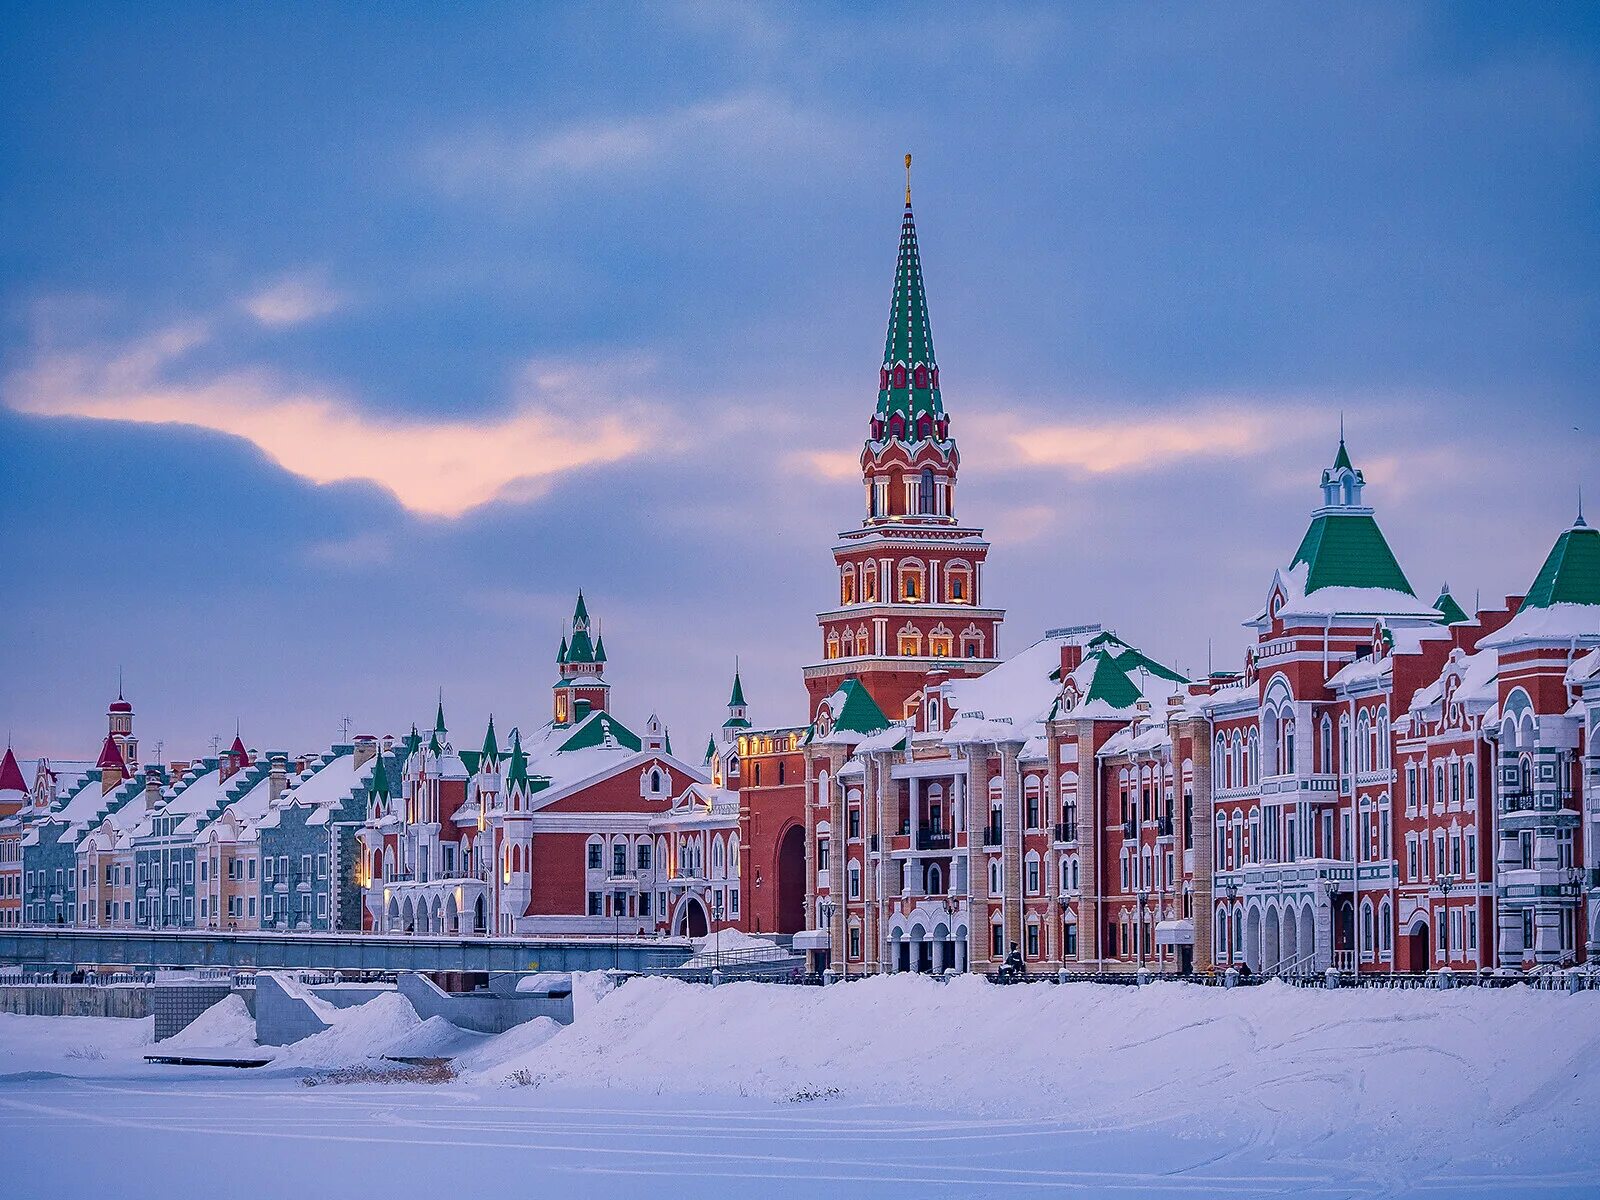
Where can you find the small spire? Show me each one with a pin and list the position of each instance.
(908, 181)
(438, 720)
(1580, 523)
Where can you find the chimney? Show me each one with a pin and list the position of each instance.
(278, 778)
(152, 787)
(366, 749)
(1071, 658)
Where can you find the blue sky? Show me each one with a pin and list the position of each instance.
(340, 346)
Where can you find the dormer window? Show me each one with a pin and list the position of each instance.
(921, 377)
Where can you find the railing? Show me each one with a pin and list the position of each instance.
(1066, 831)
(932, 837)
(1344, 961)
(991, 836)
(1517, 801)
(1163, 826)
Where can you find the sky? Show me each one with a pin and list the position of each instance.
(341, 345)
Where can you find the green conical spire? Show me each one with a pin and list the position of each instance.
(580, 614)
(434, 746)
(737, 699)
(413, 740)
(711, 749)
(379, 787)
(909, 381)
(438, 721)
(561, 654)
(1342, 459)
(600, 648)
(491, 748)
(517, 772)
(581, 648)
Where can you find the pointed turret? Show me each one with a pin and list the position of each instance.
(738, 711)
(413, 741)
(1344, 546)
(517, 769)
(1450, 613)
(580, 664)
(1571, 571)
(491, 748)
(438, 721)
(711, 750)
(600, 648)
(10, 774)
(378, 787)
(909, 403)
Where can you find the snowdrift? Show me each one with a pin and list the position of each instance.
(1418, 1071)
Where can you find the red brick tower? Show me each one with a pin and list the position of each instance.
(910, 578)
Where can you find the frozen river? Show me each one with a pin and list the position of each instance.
(180, 1133)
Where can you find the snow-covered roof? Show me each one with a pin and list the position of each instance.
(1342, 601)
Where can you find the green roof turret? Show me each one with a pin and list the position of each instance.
(517, 772)
(491, 748)
(908, 381)
(378, 788)
(1571, 572)
(1450, 613)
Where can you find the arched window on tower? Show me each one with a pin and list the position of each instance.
(927, 499)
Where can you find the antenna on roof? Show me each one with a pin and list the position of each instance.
(1210, 668)
(344, 729)
(1580, 521)
(908, 181)
(160, 746)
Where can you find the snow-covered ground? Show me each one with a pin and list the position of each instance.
(893, 1086)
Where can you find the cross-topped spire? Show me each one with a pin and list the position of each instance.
(908, 382)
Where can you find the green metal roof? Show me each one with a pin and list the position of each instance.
(597, 729)
(909, 342)
(860, 712)
(1450, 612)
(1110, 684)
(517, 772)
(737, 699)
(1571, 573)
(491, 748)
(1347, 549)
(379, 786)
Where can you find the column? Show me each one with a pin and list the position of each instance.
(1011, 842)
(938, 956)
(977, 785)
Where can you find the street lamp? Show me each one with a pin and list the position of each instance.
(716, 934)
(826, 907)
(1144, 898)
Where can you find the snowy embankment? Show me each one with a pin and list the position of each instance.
(1509, 1071)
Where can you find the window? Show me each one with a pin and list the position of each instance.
(994, 877)
(594, 856)
(854, 820)
(644, 864)
(997, 941)
(322, 866)
(822, 854)
(854, 878)
(619, 859)
(594, 904)
(1033, 877)
(644, 904)
(1069, 939)
(855, 941)
(1033, 941)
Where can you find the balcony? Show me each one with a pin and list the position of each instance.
(991, 836)
(933, 837)
(1130, 829)
(1066, 831)
(1164, 827)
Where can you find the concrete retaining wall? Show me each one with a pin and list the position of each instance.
(283, 1016)
(130, 1000)
(177, 1004)
(485, 1012)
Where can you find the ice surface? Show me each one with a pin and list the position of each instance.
(894, 1086)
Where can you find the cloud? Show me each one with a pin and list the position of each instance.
(293, 300)
(739, 124)
(564, 418)
(1144, 443)
(827, 464)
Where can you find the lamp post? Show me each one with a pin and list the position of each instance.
(826, 908)
(716, 934)
(1144, 899)
(1444, 885)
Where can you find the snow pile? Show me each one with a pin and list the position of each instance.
(732, 945)
(588, 989)
(224, 1025)
(506, 1053)
(355, 1034)
(1414, 1073)
(434, 1038)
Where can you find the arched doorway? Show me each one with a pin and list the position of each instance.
(478, 923)
(1252, 939)
(692, 919)
(1416, 945)
(1308, 940)
(1269, 946)
(792, 880)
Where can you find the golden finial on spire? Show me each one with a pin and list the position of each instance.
(908, 181)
